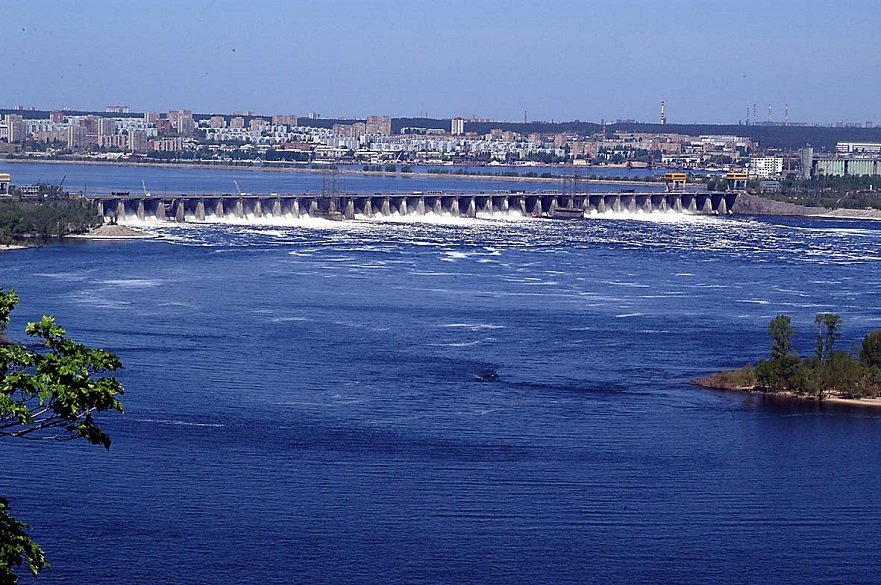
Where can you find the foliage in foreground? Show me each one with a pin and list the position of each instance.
(829, 372)
(49, 392)
(16, 547)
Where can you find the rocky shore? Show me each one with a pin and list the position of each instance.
(747, 204)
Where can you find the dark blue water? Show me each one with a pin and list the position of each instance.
(481, 401)
(103, 179)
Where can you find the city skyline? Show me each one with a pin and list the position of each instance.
(708, 62)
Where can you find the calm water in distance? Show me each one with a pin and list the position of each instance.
(485, 401)
(91, 179)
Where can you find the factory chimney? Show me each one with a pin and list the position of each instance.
(663, 115)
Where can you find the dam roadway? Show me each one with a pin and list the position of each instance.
(123, 207)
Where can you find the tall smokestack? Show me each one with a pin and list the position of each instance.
(769, 112)
(754, 114)
(663, 115)
(786, 114)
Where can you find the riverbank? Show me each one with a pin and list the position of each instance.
(869, 214)
(728, 382)
(748, 204)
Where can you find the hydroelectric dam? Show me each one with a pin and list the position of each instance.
(125, 207)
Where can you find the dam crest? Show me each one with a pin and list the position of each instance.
(123, 207)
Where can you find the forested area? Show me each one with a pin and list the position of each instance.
(24, 220)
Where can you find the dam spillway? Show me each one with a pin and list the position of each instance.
(123, 207)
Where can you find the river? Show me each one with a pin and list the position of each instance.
(486, 401)
(174, 180)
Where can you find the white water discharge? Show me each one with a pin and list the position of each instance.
(486, 238)
(362, 222)
(654, 216)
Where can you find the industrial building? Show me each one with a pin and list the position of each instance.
(850, 159)
(824, 165)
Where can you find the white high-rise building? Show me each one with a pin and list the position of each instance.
(765, 167)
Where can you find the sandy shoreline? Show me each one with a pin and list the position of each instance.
(853, 401)
(114, 232)
(861, 402)
(867, 214)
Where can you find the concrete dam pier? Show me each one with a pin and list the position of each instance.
(123, 207)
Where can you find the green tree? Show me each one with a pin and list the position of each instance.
(828, 332)
(781, 331)
(16, 546)
(871, 352)
(844, 375)
(7, 303)
(779, 373)
(49, 393)
(809, 379)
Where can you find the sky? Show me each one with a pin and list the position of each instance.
(709, 60)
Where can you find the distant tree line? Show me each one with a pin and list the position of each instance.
(389, 168)
(792, 137)
(467, 172)
(829, 191)
(832, 191)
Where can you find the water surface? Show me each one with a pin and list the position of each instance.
(489, 401)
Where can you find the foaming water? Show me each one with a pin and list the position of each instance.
(668, 232)
(480, 400)
(654, 216)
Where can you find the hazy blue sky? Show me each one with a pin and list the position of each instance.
(559, 60)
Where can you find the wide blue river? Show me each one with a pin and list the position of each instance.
(467, 401)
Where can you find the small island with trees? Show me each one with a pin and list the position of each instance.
(831, 374)
(50, 213)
